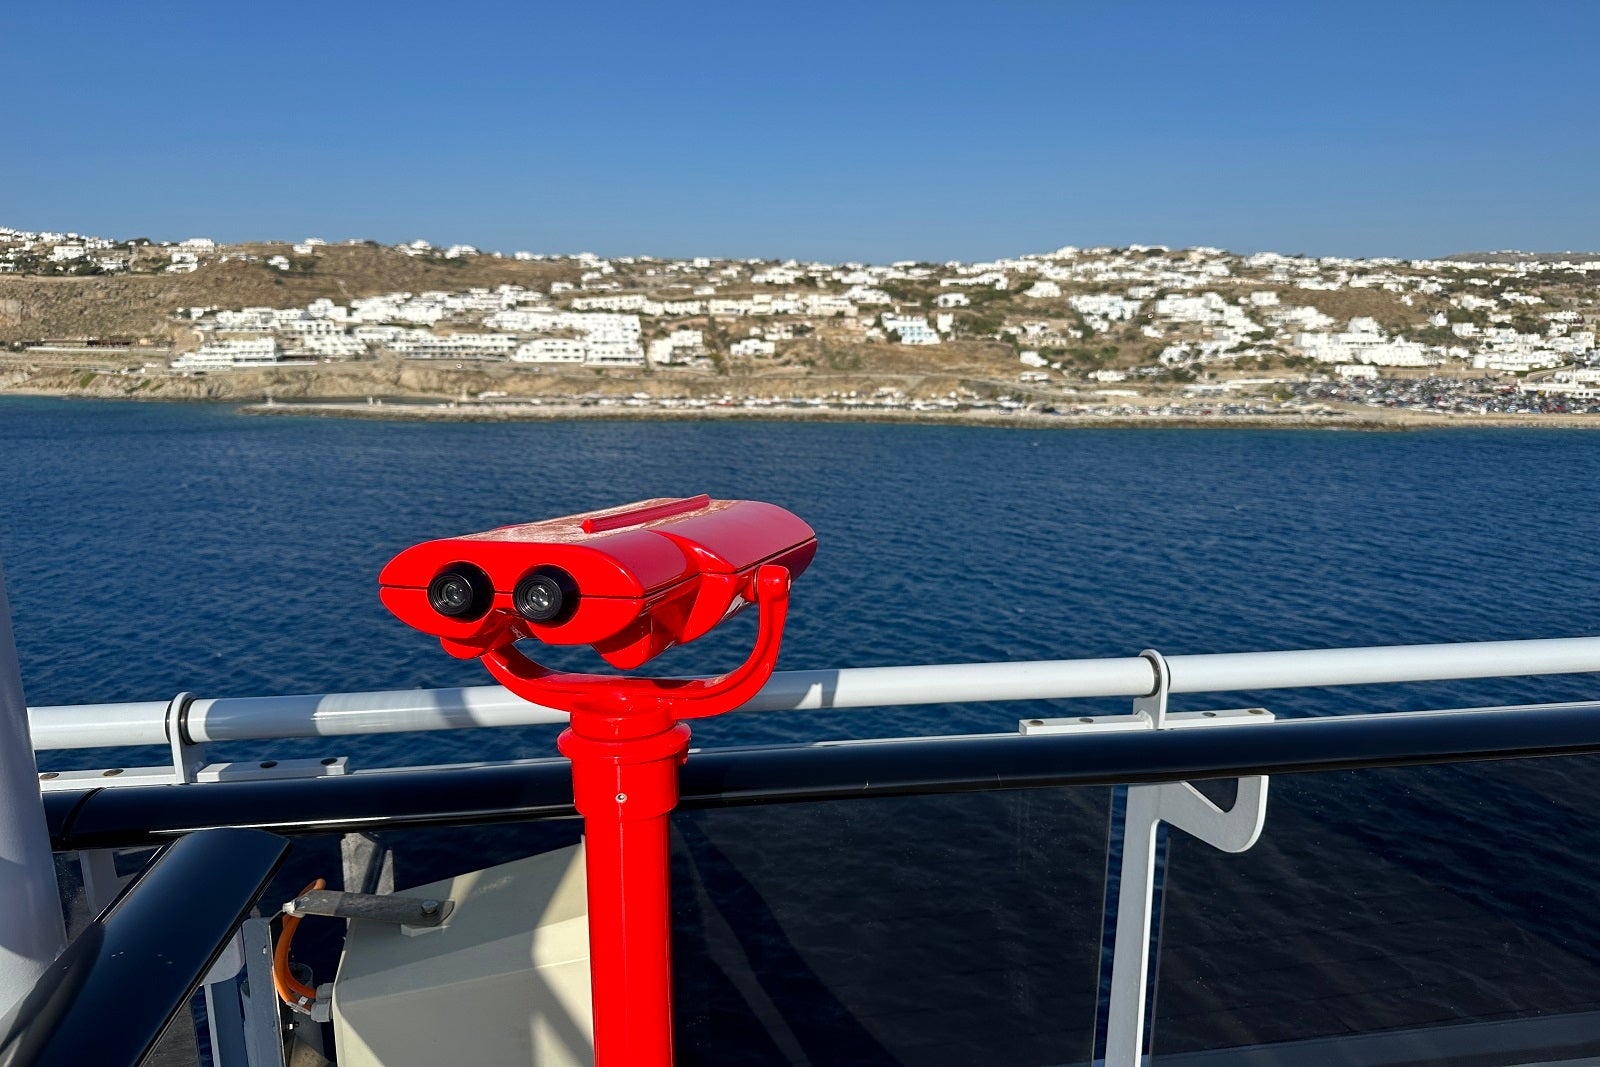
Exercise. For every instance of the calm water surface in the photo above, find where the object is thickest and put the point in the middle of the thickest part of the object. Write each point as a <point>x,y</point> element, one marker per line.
<point>155,548</point>
<point>150,548</point>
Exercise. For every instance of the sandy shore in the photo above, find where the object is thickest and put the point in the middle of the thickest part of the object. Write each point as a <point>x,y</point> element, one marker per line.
<point>472,412</point>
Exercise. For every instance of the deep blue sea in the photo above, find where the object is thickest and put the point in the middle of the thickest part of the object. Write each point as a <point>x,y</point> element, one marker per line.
<point>152,548</point>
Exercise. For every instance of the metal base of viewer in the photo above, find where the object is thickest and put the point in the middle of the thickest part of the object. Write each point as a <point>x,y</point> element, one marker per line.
<point>503,979</point>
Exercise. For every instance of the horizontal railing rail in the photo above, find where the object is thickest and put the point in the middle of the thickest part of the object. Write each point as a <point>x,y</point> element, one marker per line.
<point>334,714</point>
<point>834,770</point>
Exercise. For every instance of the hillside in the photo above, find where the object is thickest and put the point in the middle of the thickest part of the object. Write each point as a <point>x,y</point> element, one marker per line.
<point>1099,326</point>
<point>137,306</point>
<point>1522,257</point>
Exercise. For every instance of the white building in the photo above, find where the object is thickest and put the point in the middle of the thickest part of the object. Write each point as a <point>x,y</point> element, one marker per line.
<point>634,302</point>
<point>680,346</point>
<point>1517,360</point>
<point>333,346</point>
<point>1299,315</point>
<point>1105,306</point>
<point>233,353</point>
<point>1205,308</point>
<point>752,346</point>
<point>827,305</point>
<point>305,328</point>
<point>551,350</point>
<point>1352,371</point>
<point>247,320</point>
<point>1581,384</point>
<point>1365,342</point>
<point>785,275</point>
<point>861,294</point>
<point>422,345</point>
<point>913,329</point>
<point>379,335</point>
<point>615,352</point>
<point>327,309</point>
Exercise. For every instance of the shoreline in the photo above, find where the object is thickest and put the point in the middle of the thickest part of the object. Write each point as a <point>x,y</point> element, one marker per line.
<point>447,412</point>
<point>438,410</point>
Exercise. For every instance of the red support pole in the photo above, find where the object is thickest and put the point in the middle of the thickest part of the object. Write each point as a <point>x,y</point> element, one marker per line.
<point>625,790</point>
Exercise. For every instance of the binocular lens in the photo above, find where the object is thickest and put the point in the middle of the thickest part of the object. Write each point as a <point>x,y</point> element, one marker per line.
<point>546,594</point>
<point>461,592</point>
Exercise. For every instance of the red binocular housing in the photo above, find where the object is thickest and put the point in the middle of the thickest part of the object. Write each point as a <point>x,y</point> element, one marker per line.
<point>632,581</point>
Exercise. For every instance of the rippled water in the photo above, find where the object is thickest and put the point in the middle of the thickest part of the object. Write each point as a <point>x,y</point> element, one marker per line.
<point>150,547</point>
<point>155,548</point>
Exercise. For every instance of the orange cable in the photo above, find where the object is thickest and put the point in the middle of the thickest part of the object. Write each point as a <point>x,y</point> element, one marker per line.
<point>298,996</point>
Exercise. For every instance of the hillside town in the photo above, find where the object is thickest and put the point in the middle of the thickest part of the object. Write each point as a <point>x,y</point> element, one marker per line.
<point>1142,328</point>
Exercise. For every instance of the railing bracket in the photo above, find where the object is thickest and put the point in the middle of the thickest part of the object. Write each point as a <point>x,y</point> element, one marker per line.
<point>1154,706</point>
<point>1181,805</point>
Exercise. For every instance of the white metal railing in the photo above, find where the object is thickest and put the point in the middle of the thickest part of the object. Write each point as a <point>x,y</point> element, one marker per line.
<point>186,724</point>
<point>335,714</point>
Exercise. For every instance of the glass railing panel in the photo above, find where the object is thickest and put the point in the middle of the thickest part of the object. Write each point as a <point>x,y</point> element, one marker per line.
<point>1424,915</point>
<point>915,930</point>
<point>919,930</point>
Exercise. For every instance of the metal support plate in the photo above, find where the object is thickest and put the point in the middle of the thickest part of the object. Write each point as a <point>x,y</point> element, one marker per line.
<point>241,771</point>
<point>1175,720</point>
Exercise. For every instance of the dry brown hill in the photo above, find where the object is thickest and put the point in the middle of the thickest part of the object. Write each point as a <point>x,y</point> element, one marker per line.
<point>137,305</point>
<point>1346,304</point>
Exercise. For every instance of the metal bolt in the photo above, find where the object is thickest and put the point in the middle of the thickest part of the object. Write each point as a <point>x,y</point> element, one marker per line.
<point>430,907</point>
<point>111,773</point>
<point>622,798</point>
<point>1208,714</point>
<point>1086,720</point>
<point>47,775</point>
<point>1035,722</point>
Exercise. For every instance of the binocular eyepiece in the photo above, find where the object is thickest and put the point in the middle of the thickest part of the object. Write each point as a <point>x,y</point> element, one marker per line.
<point>632,581</point>
<point>545,594</point>
<point>463,592</point>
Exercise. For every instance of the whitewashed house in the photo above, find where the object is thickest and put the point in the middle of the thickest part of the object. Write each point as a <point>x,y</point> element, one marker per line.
<point>752,346</point>
<point>230,354</point>
<point>551,350</point>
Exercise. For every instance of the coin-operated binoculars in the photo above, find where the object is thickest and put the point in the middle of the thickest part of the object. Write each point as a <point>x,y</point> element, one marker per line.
<point>632,582</point>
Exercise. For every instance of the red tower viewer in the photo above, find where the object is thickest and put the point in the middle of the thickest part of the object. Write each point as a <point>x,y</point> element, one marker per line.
<point>631,581</point>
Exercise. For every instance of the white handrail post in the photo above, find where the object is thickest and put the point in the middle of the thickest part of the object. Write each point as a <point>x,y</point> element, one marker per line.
<point>31,930</point>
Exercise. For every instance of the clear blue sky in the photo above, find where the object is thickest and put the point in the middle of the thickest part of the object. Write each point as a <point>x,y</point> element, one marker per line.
<point>931,130</point>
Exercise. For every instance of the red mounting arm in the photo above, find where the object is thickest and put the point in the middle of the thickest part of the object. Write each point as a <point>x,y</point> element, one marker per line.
<point>623,707</point>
